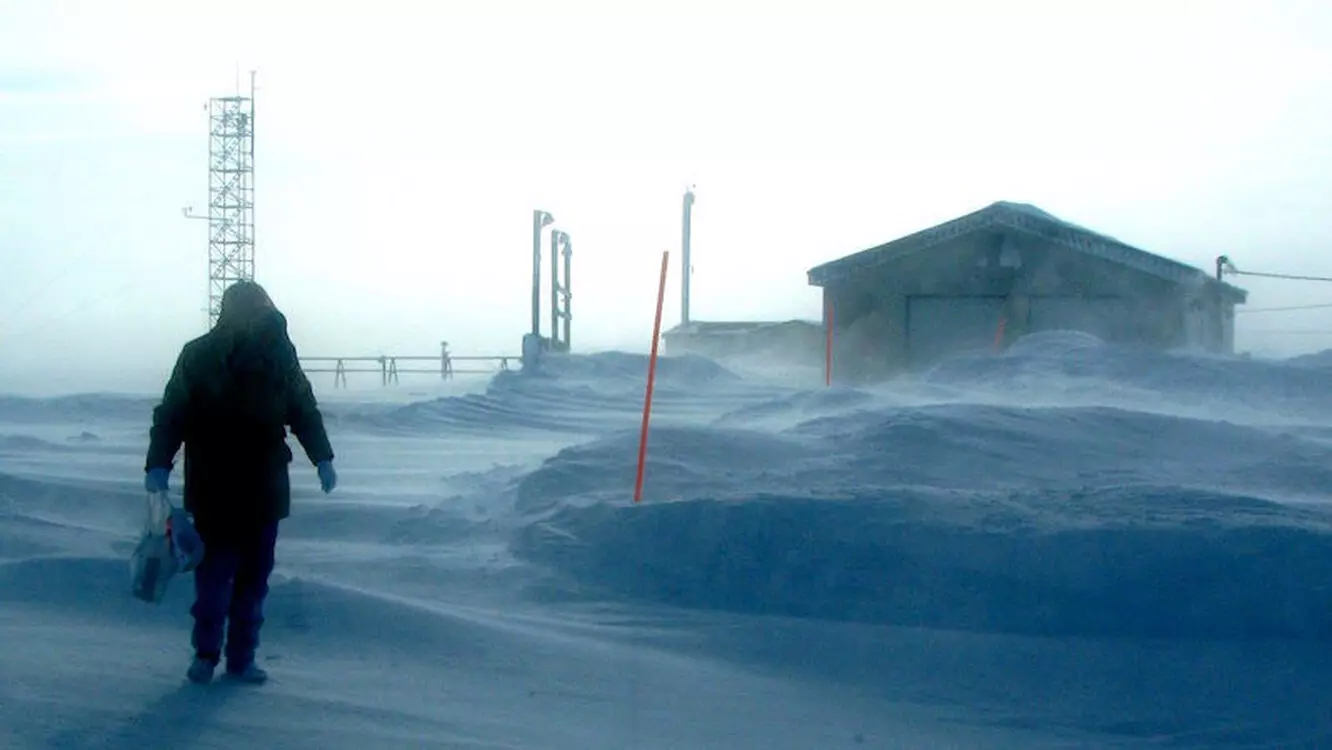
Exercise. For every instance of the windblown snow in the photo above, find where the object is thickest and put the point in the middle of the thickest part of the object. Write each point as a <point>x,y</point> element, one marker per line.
<point>1067,545</point>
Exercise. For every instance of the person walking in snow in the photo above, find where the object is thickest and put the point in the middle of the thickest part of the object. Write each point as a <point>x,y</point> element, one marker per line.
<point>229,399</point>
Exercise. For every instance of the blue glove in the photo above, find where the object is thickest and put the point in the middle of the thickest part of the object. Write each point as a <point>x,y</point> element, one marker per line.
<point>155,480</point>
<point>328,477</point>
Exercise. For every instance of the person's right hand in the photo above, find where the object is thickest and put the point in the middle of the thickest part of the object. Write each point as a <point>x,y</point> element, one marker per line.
<point>155,480</point>
<point>328,476</point>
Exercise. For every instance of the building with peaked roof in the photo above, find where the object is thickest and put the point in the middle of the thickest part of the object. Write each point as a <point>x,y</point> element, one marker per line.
<point>1009,269</point>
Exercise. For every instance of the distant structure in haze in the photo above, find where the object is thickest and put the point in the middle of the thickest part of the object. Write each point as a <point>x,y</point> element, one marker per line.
<point>230,195</point>
<point>561,293</point>
<point>986,278</point>
<point>721,339</point>
<point>977,283</point>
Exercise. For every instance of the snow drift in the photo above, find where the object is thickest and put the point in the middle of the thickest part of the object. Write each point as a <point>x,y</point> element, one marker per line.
<point>1090,520</point>
<point>1067,544</point>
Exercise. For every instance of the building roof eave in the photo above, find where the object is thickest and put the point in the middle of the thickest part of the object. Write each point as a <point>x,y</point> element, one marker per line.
<point>1028,220</point>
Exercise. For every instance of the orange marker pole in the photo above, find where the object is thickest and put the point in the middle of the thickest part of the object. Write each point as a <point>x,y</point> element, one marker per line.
<point>827,358</point>
<point>652,376</point>
<point>999,334</point>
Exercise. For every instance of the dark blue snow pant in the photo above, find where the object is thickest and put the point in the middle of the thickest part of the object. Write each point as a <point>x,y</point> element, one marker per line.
<point>230,586</point>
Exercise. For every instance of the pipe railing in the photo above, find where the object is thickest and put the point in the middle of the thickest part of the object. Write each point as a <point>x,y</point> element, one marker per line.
<point>388,367</point>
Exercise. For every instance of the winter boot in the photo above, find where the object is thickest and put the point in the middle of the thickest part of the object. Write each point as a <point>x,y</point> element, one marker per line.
<point>201,671</point>
<point>250,674</point>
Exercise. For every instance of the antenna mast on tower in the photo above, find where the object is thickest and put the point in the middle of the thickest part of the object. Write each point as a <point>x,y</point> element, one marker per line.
<point>230,195</point>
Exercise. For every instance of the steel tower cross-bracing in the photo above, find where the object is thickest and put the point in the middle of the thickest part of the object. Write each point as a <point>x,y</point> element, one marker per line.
<point>230,195</point>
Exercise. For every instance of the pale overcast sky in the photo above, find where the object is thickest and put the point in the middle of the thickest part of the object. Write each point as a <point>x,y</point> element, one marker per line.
<point>401,148</point>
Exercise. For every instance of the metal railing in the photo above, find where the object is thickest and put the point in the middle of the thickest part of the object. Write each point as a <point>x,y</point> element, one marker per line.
<point>388,367</point>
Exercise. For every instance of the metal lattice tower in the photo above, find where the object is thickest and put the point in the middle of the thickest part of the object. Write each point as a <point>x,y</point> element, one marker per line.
<point>230,195</point>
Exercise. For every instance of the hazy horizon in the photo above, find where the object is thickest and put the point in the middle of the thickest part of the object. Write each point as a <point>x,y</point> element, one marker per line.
<point>401,151</point>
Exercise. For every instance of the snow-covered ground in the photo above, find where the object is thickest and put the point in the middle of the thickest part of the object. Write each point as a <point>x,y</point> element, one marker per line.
<point>1069,545</point>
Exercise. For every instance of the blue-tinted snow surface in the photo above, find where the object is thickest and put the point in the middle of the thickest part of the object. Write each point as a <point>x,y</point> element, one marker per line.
<point>1159,520</point>
<point>1066,487</point>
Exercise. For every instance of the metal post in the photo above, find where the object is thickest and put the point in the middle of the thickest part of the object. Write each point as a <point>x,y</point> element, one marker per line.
<point>684,258</point>
<point>556,237</point>
<point>540,220</point>
<point>568,293</point>
<point>537,224</point>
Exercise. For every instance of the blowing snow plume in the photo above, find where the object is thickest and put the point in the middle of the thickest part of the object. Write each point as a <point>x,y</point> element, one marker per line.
<point>1091,520</point>
<point>752,601</point>
<point>576,394</point>
<point>1065,366</point>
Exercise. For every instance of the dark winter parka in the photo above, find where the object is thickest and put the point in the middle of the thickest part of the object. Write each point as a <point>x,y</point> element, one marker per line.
<point>231,396</point>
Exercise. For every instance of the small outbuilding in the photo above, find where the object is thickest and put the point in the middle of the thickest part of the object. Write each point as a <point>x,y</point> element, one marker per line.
<point>797,340</point>
<point>1009,269</point>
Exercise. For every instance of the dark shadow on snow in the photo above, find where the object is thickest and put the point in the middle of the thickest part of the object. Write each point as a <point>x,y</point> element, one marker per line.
<point>177,719</point>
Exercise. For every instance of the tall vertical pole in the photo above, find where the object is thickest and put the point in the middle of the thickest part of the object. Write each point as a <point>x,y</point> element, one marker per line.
<point>651,378</point>
<point>532,341</point>
<point>539,221</point>
<point>684,258</point>
<point>556,236</point>
<point>568,293</point>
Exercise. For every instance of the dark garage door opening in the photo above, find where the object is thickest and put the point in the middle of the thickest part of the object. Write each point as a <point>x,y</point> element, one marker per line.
<point>938,327</point>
